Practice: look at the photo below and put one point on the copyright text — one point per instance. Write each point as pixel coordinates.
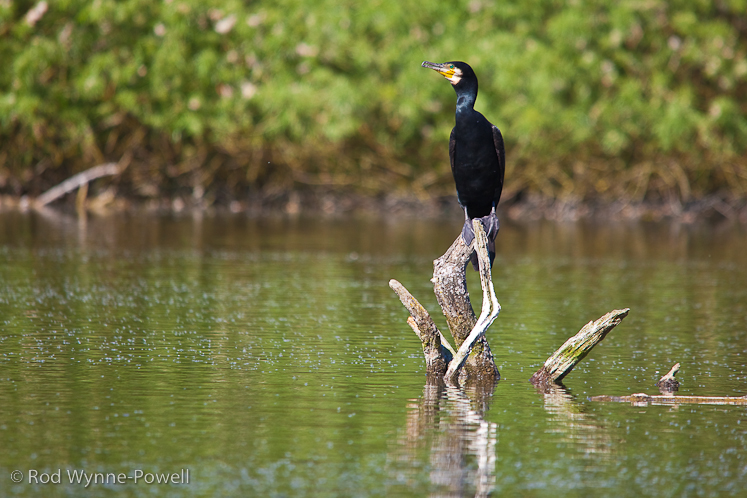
(85, 479)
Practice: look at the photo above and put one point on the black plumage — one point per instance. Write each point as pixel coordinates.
(476, 151)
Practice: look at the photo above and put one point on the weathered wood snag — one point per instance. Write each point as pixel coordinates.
(575, 349)
(473, 358)
(668, 384)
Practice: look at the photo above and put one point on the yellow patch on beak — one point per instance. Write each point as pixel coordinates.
(448, 71)
(453, 74)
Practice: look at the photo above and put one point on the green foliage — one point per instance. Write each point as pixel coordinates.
(332, 92)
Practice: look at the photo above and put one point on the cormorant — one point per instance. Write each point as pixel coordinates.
(478, 159)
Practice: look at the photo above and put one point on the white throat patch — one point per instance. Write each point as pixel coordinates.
(456, 77)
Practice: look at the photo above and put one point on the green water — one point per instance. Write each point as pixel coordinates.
(270, 358)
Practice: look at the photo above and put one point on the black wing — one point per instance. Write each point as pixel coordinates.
(452, 149)
(499, 149)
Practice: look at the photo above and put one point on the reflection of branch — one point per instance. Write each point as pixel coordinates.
(453, 419)
(481, 444)
(575, 425)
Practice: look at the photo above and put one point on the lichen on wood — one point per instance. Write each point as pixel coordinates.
(575, 349)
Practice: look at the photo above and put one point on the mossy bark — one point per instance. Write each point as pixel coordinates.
(575, 349)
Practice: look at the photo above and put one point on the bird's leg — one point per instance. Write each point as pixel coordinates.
(468, 233)
(491, 224)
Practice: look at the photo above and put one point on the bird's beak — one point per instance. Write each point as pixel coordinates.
(444, 69)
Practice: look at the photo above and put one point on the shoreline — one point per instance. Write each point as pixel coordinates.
(712, 209)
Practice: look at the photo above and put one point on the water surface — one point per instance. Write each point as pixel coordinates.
(270, 358)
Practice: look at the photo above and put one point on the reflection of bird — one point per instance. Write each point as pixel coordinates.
(478, 160)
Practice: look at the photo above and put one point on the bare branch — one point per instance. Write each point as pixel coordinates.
(76, 181)
(450, 286)
(436, 348)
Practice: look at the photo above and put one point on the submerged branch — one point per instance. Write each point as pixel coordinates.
(670, 399)
(667, 385)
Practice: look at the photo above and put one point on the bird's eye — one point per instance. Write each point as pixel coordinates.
(451, 66)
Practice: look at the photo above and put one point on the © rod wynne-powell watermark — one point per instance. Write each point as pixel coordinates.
(81, 477)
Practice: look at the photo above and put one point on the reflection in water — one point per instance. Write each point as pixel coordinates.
(448, 423)
(576, 426)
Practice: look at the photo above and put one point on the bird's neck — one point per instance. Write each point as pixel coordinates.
(466, 98)
(465, 103)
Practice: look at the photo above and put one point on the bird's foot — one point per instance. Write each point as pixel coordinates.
(489, 222)
(491, 225)
(468, 233)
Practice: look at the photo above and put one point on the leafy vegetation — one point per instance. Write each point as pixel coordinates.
(633, 99)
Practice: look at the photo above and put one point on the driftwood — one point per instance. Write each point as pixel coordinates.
(76, 181)
(672, 399)
(473, 358)
(667, 386)
(575, 349)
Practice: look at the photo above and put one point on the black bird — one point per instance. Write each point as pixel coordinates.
(478, 159)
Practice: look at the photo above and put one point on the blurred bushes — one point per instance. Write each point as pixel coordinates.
(595, 100)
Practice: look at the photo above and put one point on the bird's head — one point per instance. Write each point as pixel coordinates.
(454, 71)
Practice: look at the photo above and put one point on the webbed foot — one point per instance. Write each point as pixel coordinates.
(468, 233)
(492, 226)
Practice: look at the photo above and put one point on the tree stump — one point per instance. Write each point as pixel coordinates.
(472, 358)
